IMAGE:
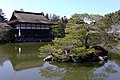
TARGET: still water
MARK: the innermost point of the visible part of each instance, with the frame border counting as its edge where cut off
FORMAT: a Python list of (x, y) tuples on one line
[(20, 61)]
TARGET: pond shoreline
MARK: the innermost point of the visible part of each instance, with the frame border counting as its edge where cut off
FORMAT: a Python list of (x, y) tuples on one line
[(99, 54)]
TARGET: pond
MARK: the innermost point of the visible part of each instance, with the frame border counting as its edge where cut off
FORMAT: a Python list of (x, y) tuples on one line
[(20, 61)]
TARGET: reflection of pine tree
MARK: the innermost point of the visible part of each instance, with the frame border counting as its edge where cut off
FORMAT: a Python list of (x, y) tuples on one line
[(52, 72)]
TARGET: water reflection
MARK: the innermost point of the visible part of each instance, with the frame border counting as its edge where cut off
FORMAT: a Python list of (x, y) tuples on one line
[(21, 62), (21, 56), (70, 71)]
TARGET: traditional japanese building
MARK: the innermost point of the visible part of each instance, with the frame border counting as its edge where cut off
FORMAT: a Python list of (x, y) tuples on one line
[(30, 27)]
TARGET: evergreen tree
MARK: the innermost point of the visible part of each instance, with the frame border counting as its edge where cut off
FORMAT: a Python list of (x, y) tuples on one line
[(47, 16), (80, 37), (112, 18), (2, 16)]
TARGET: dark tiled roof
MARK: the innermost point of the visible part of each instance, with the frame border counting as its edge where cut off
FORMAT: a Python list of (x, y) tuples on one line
[(28, 17)]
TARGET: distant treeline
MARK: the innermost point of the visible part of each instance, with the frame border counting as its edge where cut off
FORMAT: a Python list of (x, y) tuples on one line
[(112, 18)]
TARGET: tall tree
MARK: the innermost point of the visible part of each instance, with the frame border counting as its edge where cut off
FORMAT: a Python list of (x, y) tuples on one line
[(59, 30), (55, 18), (112, 18), (47, 16), (42, 13), (2, 16), (80, 37)]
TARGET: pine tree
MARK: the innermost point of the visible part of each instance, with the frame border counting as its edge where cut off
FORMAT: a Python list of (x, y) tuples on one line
[(2, 16), (79, 38)]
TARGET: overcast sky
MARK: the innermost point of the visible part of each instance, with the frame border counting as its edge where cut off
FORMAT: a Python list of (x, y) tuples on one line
[(61, 7)]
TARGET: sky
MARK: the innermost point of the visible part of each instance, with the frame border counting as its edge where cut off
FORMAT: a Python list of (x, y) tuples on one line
[(60, 7)]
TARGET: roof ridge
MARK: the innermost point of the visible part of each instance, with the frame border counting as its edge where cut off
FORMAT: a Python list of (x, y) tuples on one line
[(27, 12), (28, 17)]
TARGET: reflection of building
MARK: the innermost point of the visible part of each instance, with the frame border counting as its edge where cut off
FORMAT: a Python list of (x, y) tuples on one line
[(21, 55), (26, 56), (30, 27), (20, 64), (3, 57)]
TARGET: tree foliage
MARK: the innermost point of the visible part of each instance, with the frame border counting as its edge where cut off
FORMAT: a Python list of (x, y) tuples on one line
[(59, 29), (8, 35), (2, 16), (112, 18), (80, 36)]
